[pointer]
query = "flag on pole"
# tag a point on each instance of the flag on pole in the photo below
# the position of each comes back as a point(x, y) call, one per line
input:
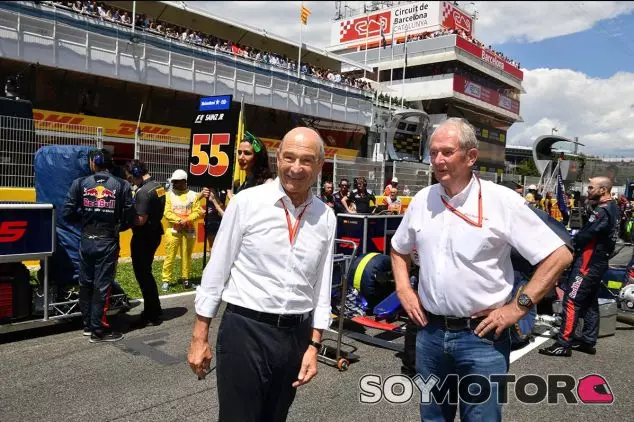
point(304, 14)
point(562, 199)
point(383, 41)
point(405, 51)
point(239, 175)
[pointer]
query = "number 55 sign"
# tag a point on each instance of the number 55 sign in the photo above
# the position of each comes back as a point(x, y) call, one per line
point(212, 146)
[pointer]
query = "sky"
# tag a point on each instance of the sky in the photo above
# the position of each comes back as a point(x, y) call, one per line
point(577, 59)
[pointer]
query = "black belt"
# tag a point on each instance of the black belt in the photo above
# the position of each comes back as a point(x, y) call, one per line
point(277, 320)
point(453, 323)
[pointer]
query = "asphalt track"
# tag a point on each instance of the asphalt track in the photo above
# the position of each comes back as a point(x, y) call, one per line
point(56, 374)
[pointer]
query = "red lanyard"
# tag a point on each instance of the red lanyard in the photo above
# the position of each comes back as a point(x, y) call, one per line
point(292, 231)
point(464, 217)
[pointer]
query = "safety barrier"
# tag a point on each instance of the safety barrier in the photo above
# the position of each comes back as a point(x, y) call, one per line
point(20, 138)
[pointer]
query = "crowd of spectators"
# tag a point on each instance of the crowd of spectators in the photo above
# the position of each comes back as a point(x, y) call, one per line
point(105, 12)
point(108, 13)
point(461, 33)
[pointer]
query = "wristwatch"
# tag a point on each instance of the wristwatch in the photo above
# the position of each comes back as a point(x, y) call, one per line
point(524, 301)
point(315, 344)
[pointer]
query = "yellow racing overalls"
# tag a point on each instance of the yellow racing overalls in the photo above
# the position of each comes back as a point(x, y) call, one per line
point(180, 206)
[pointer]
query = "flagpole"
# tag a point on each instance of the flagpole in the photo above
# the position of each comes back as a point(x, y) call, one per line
point(392, 69)
point(404, 69)
point(299, 57)
point(367, 33)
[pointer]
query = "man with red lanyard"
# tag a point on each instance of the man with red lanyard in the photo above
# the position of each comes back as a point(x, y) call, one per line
point(272, 264)
point(463, 229)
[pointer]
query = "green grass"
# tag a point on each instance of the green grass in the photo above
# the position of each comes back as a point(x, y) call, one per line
point(125, 277)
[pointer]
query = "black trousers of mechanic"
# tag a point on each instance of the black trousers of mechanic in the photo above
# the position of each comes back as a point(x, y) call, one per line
point(143, 246)
point(97, 267)
point(256, 365)
point(581, 300)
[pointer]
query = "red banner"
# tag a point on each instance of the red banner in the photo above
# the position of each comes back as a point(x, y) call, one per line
point(489, 58)
point(456, 19)
point(489, 96)
point(363, 27)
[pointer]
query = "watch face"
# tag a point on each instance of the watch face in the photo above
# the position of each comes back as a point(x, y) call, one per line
point(524, 300)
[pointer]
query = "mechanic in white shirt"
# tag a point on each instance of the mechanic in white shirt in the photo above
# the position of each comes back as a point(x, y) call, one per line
point(463, 229)
point(272, 264)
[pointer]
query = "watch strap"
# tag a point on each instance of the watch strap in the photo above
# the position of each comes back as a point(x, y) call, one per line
point(315, 344)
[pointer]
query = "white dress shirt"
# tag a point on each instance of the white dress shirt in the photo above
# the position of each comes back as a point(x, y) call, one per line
point(465, 269)
point(253, 264)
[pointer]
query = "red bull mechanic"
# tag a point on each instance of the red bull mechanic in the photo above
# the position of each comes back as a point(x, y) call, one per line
point(102, 204)
point(594, 244)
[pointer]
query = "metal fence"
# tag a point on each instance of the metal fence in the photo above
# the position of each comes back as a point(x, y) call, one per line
point(412, 177)
point(373, 171)
point(21, 138)
point(163, 154)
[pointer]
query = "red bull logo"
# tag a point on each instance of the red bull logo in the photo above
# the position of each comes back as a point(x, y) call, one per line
point(99, 197)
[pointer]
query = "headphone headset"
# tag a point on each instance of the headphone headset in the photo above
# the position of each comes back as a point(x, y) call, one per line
point(136, 170)
point(98, 158)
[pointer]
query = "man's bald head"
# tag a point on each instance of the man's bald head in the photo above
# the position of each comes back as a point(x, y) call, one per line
point(305, 135)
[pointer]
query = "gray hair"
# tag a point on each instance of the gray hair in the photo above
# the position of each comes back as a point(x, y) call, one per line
point(466, 132)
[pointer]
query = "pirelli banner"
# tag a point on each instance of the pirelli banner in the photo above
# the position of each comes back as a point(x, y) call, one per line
point(212, 145)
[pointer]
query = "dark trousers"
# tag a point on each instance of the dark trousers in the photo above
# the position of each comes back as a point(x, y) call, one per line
point(581, 300)
point(409, 350)
point(97, 267)
point(143, 246)
point(256, 365)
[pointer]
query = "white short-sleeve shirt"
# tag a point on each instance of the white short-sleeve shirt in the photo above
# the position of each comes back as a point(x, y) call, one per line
point(463, 268)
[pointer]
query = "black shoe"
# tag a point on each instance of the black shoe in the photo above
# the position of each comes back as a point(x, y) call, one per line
point(145, 320)
point(105, 337)
point(87, 332)
point(556, 349)
point(582, 347)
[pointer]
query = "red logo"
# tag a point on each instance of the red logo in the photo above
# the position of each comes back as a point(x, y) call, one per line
point(461, 21)
point(363, 27)
point(594, 389)
point(12, 231)
point(454, 18)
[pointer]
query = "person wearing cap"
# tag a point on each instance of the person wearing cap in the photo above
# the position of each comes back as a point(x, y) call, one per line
point(102, 204)
point(272, 265)
point(147, 232)
point(390, 186)
point(182, 210)
point(463, 230)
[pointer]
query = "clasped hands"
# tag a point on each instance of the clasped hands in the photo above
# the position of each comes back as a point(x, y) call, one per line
point(497, 319)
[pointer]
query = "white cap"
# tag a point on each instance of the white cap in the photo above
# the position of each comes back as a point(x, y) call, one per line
point(394, 179)
point(179, 175)
point(532, 187)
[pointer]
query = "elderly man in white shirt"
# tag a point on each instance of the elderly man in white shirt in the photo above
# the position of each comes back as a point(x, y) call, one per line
point(463, 229)
point(272, 264)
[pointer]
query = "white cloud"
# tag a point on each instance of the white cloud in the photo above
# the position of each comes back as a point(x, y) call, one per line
point(531, 21)
point(497, 22)
point(599, 111)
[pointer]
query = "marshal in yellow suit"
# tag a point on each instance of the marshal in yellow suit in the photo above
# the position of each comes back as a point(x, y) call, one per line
point(182, 209)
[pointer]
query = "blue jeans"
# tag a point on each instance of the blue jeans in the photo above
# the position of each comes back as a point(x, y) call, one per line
point(443, 352)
